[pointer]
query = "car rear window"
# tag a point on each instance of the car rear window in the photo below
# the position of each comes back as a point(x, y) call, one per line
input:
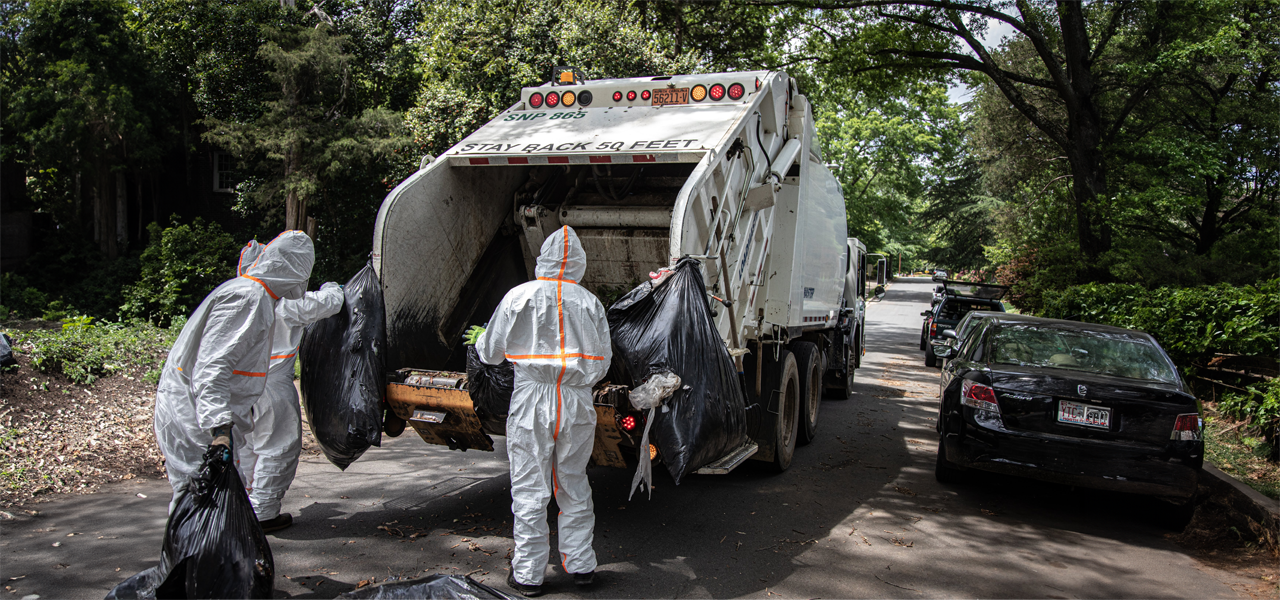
point(1107, 353)
point(955, 310)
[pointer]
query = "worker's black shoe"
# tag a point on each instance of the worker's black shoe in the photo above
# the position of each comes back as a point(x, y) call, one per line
point(584, 579)
point(528, 591)
point(280, 521)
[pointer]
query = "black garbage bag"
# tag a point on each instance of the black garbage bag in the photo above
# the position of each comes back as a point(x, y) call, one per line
point(213, 545)
point(452, 587)
point(6, 352)
point(343, 384)
point(490, 387)
point(668, 328)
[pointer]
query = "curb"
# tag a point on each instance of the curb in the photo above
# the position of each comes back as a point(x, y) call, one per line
point(1262, 505)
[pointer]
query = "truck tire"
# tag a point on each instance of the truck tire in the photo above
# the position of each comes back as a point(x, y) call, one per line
point(786, 422)
point(809, 362)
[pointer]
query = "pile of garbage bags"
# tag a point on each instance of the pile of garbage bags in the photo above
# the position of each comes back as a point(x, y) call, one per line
point(490, 388)
point(213, 546)
point(343, 372)
point(452, 587)
point(665, 327)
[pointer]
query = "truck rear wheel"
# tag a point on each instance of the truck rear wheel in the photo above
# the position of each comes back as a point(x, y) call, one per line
point(809, 362)
point(840, 382)
point(786, 422)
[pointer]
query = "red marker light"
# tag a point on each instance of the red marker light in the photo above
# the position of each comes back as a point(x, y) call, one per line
point(736, 91)
point(535, 100)
point(628, 422)
point(617, 96)
point(716, 92)
point(553, 98)
point(631, 95)
point(644, 95)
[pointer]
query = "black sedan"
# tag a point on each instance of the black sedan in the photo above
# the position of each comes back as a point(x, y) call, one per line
point(1074, 403)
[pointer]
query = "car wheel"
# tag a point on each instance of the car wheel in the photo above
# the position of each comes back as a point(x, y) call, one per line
point(930, 360)
point(946, 471)
point(924, 337)
point(810, 364)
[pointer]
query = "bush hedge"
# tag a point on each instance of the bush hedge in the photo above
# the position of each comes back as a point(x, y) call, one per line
point(83, 350)
point(180, 266)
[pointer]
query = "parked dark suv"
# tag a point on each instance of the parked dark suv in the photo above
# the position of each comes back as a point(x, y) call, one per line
point(959, 298)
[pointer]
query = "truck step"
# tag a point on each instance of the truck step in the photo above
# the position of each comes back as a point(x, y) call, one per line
point(730, 461)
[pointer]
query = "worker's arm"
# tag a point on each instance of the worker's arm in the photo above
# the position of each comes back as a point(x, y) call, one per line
point(601, 344)
point(311, 307)
point(236, 327)
point(492, 345)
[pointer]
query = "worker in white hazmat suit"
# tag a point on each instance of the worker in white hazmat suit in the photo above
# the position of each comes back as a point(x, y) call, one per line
point(555, 333)
point(217, 368)
point(268, 455)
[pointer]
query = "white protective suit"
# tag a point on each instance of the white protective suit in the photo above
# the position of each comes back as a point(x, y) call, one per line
point(555, 333)
point(217, 369)
point(268, 455)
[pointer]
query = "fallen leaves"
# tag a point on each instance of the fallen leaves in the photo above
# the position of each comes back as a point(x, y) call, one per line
point(904, 491)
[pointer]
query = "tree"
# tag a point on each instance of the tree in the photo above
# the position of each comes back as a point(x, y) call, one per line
point(310, 132)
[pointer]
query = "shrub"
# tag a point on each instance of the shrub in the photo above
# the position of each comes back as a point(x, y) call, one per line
point(181, 265)
point(21, 300)
point(1192, 324)
point(1259, 407)
point(84, 351)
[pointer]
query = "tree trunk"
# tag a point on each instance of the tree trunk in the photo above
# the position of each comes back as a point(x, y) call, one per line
point(122, 212)
point(1208, 232)
point(1084, 130)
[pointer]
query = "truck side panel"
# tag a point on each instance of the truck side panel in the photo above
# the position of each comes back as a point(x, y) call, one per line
point(442, 261)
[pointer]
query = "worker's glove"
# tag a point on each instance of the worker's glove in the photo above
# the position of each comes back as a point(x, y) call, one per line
point(473, 335)
point(222, 437)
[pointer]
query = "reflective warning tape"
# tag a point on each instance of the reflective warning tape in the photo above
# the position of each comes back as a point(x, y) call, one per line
point(575, 159)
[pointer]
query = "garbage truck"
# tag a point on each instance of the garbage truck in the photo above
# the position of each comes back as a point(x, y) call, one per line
point(723, 168)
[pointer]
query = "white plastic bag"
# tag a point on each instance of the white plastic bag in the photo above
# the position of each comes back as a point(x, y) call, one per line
point(651, 393)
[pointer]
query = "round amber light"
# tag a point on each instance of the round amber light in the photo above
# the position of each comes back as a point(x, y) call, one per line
point(698, 93)
point(567, 98)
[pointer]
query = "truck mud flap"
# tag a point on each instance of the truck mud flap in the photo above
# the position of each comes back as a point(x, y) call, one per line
point(608, 450)
point(440, 413)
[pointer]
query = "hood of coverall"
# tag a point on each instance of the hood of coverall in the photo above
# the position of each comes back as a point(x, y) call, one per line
point(562, 256)
point(284, 265)
point(248, 254)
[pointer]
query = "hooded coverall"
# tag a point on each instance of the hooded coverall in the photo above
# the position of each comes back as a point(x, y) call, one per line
point(267, 456)
point(217, 368)
point(555, 333)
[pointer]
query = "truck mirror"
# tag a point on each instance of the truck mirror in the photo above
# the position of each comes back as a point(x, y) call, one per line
point(879, 292)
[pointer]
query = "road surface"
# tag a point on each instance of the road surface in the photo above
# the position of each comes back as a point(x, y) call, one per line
point(858, 515)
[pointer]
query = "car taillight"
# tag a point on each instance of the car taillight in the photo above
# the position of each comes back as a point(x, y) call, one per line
point(631, 95)
point(553, 98)
point(645, 95)
point(978, 396)
point(736, 91)
point(535, 100)
point(933, 328)
point(1186, 428)
point(617, 96)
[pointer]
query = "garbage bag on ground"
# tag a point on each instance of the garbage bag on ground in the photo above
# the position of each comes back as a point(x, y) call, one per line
point(667, 328)
point(6, 352)
point(343, 381)
point(490, 387)
point(213, 545)
point(453, 587)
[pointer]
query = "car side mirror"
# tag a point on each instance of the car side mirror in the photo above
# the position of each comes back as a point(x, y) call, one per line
point(942, 349)
point(950, 333)
point(924, 313)
point(879, 291)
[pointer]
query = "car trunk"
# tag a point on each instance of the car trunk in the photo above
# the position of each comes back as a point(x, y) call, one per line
point(1086, 405)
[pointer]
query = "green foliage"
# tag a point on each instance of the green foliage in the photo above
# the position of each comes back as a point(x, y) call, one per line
point(1259, 407)
point(181, 265)
point(21, 300)
point(83, 351)
point(1192, 324)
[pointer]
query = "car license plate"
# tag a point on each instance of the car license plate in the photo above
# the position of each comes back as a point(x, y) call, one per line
point(1076, 413)
point(662, 96)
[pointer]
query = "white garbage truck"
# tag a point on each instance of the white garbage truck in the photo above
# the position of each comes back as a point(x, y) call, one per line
point(723, 167)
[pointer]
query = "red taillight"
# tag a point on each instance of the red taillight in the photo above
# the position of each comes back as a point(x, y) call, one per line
point(644, 95)
point(1186, 428)
point(535, 100)
point(617, 96)
point(736, 91)
point(716, 92)
point(553, 98)
point(933, 328)
point(631, 95)
point(978, 396)
point(628, 422)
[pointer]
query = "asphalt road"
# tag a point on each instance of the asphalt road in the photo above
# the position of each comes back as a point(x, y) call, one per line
point(859, 514)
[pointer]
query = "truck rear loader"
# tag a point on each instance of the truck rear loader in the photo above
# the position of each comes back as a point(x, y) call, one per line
point(724, 168)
